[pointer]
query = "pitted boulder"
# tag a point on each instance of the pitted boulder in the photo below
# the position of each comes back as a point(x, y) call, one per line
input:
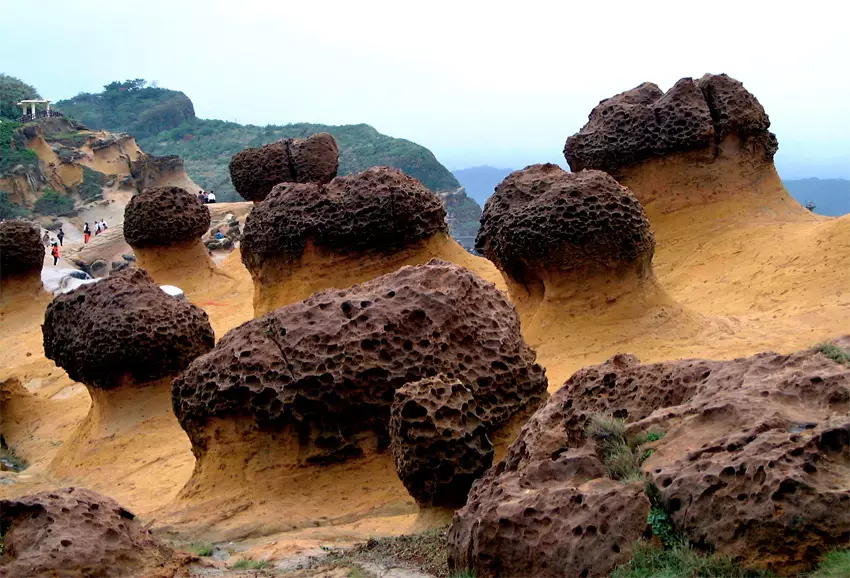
point(642, 123)
point(328, 367)
point(163, 216)
point(543, 218)
point(380, 210)
point(439, 441)
point(124, 325)
point(21, 249)
point(77, 532)
point(255, 171)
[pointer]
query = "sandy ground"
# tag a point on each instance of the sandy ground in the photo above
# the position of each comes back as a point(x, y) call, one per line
point(735, 277)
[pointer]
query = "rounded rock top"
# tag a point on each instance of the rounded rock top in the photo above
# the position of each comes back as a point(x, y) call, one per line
point(645, 122)
point(124, 325)
point(163, 216)
point(544, 218)
point(21, 248)
point(379, 210)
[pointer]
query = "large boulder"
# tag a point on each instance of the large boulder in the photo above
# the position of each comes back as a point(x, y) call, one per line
point(255, 171)
point(77, 532)
point(644, 122)
point(754, 462)
point(21, 249)
point(439, 440)
point(123, 325)
point(163, 216)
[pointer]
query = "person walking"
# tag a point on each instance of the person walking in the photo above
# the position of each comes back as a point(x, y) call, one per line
point(103, 224)
point(55, 252)
point(61, 236)
point(96, 228)
point(46, 239)
point(86, 233)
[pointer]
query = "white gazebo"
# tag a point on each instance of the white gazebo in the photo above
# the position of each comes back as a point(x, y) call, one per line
point(31, 103)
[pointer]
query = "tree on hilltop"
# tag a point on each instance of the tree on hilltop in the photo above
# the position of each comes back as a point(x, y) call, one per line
point(12, 91)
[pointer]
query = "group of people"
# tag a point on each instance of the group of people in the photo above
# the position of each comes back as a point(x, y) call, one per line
point(99, 227)
point(54, 245)
point(206, 197)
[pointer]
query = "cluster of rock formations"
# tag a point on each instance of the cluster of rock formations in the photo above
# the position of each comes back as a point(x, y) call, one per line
point(21, 257)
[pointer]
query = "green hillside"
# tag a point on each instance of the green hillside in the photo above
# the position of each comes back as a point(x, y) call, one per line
point(164, 123)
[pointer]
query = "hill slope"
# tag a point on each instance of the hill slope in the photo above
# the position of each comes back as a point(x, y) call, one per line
point(164, 123)
point(479, 182)
point(832, 196)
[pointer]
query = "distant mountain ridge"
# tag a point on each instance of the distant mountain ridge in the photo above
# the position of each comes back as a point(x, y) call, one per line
point(832, 196)
point(164, 123)
point(479, 182)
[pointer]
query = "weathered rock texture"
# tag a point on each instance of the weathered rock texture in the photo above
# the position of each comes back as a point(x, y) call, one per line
point(645, 122)
point(255, 171)
point(326, 368)
point(163, 216)
point(379, 210)
point(151, 171)
point(543, 218)
point(21, 249)
point(755, 463)
point(439, 441)
point(124, 325)
point(77, 532)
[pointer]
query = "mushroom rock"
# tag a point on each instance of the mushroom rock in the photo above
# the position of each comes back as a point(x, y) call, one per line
point(21, 259)
point(576, 252)
point(754, 462)
point(77, 532)
point(125, 339)
point(439, 443)
point(255, 171)
point(308, 237)
point(164, 226)
point(702, 142)
point(292, 409)
point(149, 171)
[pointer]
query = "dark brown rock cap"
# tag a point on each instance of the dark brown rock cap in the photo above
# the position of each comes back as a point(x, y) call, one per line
point(544, 218)
point(162, 216)
point(75, 532)
point(21, 249)
point(255, 171)
point(439, 441)
point(123, 325)
point(644, 122)
point(328, 366)
point(379, 210)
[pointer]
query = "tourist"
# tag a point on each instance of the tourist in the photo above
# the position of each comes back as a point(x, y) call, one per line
point(60, 235)
point(202, 196)
point(96, 228)
point(86, 233)
point(211, 197)
point(103, 224)
point(55, 252)
point(46, 239)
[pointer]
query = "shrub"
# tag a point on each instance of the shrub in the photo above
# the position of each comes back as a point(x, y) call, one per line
point(91, 188)
point(834, 565)
point(201, 548)
point(13, 154)
point(834, 352)
point(53, 203)
point(248, 564)
point(679, 561)
point(10, 210)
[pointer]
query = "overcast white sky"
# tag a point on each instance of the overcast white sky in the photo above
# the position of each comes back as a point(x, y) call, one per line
point(476, 82)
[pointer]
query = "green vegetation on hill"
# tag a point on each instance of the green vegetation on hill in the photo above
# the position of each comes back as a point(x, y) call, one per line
point(164, 123)
point(12, 91)
point(12, 151)
point(10, 210)
point(130, 106)
point(53, 203)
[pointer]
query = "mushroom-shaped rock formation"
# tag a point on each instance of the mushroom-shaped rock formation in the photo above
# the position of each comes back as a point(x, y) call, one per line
point(164, 226)
point(150, 171)
point(292, 408)
point(21, 258)
point(255, 171)
point(307, 237)
point(125, 339)
point(753, 461)
point(77, 532)
point(439, 442)
point(576, 252)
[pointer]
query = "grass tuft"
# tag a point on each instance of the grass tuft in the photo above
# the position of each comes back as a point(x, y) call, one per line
point(247, 564)
point(680, 561)
point(201, 548)
point(834, 352)
point(834, 565)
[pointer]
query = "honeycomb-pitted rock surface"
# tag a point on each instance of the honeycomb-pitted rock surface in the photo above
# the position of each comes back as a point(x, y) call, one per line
point(76, 532)
point(148, 170)
point(543, 217)
point(163, 216)
point(21, 249)
point(641, 123)
point(381, 210)
point(439, 442)
point(123, 325)
point(255, 171)
point(755, 460)
point(328, 366)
